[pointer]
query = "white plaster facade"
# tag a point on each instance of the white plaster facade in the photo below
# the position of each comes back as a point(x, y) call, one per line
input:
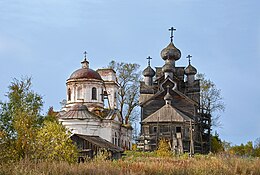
point(86, 111)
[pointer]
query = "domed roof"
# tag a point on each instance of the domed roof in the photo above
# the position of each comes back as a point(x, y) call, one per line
point(167, 67)
point(85, 73)
point(171, 52)
point(190, 70)
point(148, 72)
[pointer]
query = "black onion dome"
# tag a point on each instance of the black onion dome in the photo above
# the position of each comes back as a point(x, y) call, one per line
point(148, 72)
point(171, 52)
point(85, 73)
point(190, 70)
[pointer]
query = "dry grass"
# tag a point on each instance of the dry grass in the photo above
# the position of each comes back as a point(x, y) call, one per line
point(141, 163)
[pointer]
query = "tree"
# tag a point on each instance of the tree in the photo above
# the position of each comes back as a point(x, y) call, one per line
point(211, 100)
point(216, 144)
point(20, 117)
point(51, 115)
point(53, 143)
point(129, 76)
point(243, 150)
point(257, 148)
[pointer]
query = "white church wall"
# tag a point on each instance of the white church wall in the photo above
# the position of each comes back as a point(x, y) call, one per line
point(82, 126)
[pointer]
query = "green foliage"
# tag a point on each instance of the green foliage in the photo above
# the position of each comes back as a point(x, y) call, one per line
point(22, 101)
point(129, 76)
point(53, 143)
point(7, 148)
point(164, 149)
point(22, 134)
point(216, 144)
point(19, 118)
point(242, 150)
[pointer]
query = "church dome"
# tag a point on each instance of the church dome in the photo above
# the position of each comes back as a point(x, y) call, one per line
point(190, 70)
point(171, 52)
point(85, 73)
point(148, 72)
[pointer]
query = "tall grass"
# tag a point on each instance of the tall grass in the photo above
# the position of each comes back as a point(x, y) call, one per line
point(140, 163)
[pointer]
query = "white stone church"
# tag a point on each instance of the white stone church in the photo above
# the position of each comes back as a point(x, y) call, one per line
point(91, 106)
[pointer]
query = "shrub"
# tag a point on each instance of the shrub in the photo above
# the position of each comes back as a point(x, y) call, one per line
point(164, 149)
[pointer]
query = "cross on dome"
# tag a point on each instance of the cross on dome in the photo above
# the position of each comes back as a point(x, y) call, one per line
point(189, 56)
point(172, 29)
point(149, 60)
point(85, 63)
point(85, 55)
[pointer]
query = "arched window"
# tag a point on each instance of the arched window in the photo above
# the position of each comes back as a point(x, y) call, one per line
point(79, 96)
point(94, 93)
point(69, 94)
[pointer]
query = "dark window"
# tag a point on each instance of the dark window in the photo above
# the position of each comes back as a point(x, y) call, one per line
point(94, 93)
point(178, 129)
point(102, 95)
point(164, 128)
point(69, 94)
point(155, 129)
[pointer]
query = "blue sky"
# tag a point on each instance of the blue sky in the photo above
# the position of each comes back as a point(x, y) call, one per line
point(46, 40)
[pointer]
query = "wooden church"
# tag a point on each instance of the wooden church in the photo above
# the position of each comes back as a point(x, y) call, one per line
point(170, 106)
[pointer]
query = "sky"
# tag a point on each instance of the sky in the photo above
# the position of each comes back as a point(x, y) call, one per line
point(45, 40)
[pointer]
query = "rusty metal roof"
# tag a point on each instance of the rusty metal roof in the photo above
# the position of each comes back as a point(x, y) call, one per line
point(78, 112)
point(85, 73)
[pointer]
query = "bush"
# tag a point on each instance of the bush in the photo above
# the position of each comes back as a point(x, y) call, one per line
point(164, 149)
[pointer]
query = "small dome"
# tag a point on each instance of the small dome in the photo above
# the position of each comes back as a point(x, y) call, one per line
point(85, 73)
point(167, 67)
point(171, 52)
point(190, 70)
point(148, 72)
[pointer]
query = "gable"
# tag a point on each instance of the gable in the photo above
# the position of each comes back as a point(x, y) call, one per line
point(167, 114)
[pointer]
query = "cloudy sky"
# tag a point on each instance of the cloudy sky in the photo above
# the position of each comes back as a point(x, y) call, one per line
point(45, 39)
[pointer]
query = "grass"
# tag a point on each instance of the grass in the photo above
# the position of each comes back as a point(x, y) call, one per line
point(141, 163)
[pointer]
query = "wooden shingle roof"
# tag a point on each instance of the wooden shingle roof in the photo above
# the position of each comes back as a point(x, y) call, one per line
point(167, 114)
point(100, 142)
